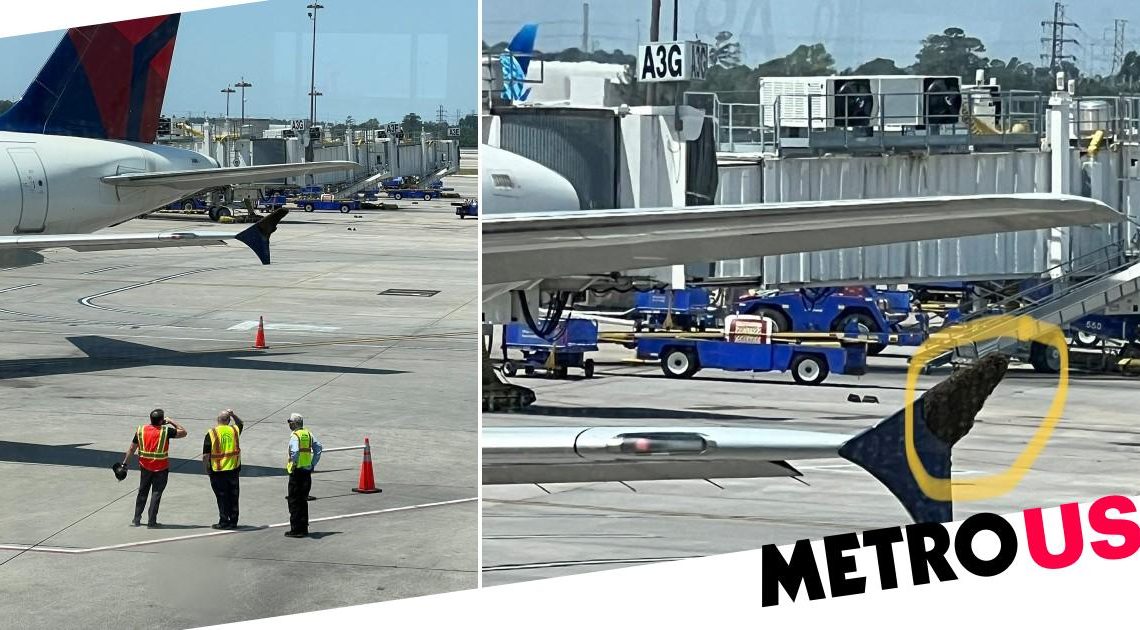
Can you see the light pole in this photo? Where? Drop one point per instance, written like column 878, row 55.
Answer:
column 313, row 94
column 313, row 78
column 243, row 84
column 227, row 91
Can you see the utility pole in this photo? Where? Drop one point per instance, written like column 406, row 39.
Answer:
column 1057, row 39
column 441, row 116
column 585, row 27
column 227, row 91
column 1118, row 45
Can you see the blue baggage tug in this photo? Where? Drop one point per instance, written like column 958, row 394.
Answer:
column 810, row 364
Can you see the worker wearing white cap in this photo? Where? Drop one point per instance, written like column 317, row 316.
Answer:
column 304, row 453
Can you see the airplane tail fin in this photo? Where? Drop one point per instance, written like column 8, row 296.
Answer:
column 104, row 81
column 942, row 416
column 257, row 235
column 522, row 45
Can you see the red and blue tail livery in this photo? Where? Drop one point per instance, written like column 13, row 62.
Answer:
column 105, row 81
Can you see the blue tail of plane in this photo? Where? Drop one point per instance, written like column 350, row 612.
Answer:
column 942, row 416
column 516, row 61
column 104, row 81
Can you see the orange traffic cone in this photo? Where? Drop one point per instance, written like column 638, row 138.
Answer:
column 367, row 484
column 259, row 342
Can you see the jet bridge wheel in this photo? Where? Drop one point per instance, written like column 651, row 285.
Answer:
column 809, row 369
column 679, row 363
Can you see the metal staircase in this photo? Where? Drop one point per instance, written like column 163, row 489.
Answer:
column 364, row 182
column 1077, row 292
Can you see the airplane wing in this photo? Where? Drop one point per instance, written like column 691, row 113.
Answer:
column 256, row 237
column 528, row 246
column 597, row 454
column 195, row 180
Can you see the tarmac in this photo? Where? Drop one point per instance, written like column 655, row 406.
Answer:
column 560, row 529
column 91, row 342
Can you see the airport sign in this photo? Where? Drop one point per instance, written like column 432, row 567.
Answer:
column 661, row 62
column 453, row 132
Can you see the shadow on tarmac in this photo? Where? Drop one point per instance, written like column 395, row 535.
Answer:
column 75, row 455
column 644, row 412
column 112, row 354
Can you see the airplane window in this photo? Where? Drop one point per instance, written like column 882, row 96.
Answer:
column 501, row 180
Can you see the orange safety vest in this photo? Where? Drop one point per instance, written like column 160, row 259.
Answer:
column 154, row 447
column 225, row 453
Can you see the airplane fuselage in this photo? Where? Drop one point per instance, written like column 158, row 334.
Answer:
column 53, row 184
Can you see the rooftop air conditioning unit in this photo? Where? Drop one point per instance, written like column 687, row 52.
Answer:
column 893, row 101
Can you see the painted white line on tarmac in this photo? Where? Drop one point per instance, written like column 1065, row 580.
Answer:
column 224, row 532
column 252, row 325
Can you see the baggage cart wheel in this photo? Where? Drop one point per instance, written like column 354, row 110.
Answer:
column 427, row 196
column 588, row 368
column 397, row 196
column 809, row 369
column 1045, row 359
column 866, row 324
column 510, row 369
column 528, row 370
column 187, row 205
column 560, row 371
column 1085, row 340
column 678, row 363
column 344, row 208
column 779, row 320
column 308, row 207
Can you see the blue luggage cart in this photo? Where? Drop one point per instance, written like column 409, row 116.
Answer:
column 569, row 345
column 689, row 309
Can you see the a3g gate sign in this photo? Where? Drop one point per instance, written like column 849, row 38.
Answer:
column 672, row 61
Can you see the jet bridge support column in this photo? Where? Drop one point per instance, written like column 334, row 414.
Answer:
column 1060, row 159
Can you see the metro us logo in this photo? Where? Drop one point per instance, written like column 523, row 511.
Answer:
column 932, row 550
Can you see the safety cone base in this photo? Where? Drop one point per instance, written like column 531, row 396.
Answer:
column 367, row 490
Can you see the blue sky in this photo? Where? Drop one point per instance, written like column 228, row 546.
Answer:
column 377, row 59
column 853, row 30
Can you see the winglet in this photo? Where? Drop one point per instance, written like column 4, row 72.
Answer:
column 942, row 416
column 257, row 235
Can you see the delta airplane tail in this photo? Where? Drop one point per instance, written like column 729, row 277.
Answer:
column 105, row 81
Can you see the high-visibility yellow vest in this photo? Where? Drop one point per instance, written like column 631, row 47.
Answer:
column 304, row 451
column 224, row 451
column 154, row 447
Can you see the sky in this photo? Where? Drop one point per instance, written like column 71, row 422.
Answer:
column 854, row 31
column 379, row 59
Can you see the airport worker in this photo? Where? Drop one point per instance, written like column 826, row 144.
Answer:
column 221, row 455
column 304, row 453
column 152, row 441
